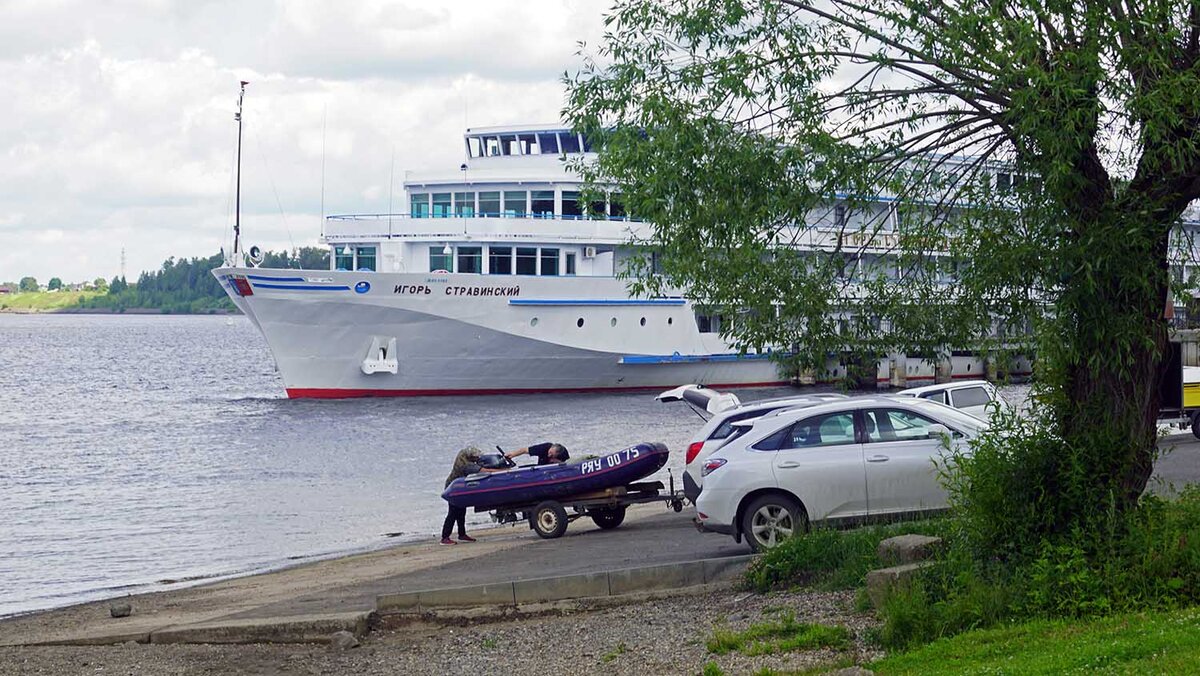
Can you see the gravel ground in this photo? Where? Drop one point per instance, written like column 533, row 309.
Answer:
column 663, row 636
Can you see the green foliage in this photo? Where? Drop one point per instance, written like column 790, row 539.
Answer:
column 712, row 669
column 1137, row 643
column 617, row 651
column 28, row 284
column 777, row 636
column 826, row 558
column 54, row 284
column 1152, row 562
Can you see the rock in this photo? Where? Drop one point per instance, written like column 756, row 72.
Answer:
column 342, row 640
column 908, row 549
column 884, row 581
column 120, row 610
column 851, row 671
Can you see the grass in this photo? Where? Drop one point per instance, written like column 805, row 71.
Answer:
column 1138, row 643
column 778, row 636
column 44, row 301
column 617, row 651
column 828, row 559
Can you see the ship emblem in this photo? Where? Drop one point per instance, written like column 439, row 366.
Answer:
column 362, row 287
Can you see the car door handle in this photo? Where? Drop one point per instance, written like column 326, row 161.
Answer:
column 877, row 458
column 788, row 465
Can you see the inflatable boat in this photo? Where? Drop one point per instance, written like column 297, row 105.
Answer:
column 556, row 481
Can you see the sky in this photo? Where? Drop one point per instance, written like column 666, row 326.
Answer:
column 118, row 126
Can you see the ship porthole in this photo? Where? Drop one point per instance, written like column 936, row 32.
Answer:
column 579, row 323
column 643, row 321
column 533, row 322
column 670, row 320
column 613, row 322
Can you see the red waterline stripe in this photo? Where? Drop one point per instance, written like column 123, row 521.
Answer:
column 347, row 393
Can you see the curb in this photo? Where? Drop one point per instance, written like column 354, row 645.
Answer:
column 314, row 628
column 566, row 587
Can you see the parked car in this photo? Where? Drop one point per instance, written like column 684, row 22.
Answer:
column 976, row 397
column 720, row 411
column 835, row 462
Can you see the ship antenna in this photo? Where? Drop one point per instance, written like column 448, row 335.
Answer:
column 237, row 209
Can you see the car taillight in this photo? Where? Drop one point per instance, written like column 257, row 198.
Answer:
column 712, row 465
column 692, row 451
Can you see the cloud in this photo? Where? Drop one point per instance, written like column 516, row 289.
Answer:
column 119, row 129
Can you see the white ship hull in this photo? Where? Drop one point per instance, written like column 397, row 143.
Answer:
column 478, row 334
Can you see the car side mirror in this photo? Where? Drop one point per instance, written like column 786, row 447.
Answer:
column 939, row 432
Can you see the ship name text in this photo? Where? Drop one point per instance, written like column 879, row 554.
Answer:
column 424, row 290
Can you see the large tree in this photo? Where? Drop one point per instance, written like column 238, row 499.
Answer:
column 1035, row 159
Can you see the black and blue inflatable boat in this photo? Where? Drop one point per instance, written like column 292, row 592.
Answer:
column 557, row 481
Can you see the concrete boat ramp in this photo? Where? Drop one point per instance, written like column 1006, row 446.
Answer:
column 509, row 570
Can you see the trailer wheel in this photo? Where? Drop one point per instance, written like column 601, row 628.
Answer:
column 609, row 517
column 1196, row 424
column 549, row 520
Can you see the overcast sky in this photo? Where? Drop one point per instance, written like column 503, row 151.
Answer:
column 118, row 127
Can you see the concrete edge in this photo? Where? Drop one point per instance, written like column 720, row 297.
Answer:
column 566, row 587
column 315, row 628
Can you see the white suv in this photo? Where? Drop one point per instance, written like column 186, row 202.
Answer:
column 722, row 410
column 855, row 460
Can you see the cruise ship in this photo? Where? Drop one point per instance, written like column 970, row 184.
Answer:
column 497, row 280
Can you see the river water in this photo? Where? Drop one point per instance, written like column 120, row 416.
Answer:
column 144, row 452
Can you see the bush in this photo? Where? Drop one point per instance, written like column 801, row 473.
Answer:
column 827, row 558
column 1151, row 561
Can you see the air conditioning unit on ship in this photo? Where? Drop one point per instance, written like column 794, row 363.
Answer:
column 589, row 252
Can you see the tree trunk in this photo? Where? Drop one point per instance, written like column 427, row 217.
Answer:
column 1111, row 363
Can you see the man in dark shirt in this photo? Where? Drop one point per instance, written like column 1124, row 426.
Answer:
column 545, row 452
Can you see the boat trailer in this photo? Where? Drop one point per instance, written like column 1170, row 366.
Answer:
column 606, row 507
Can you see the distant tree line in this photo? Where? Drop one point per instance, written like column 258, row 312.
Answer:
column 187, row 286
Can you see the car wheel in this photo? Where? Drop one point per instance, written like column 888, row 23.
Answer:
column 549, row 520
column 771, row 519
column 608, row 518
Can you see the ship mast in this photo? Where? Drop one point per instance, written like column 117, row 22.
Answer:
column 237, row 209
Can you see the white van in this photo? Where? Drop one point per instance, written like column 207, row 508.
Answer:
column 970, row 396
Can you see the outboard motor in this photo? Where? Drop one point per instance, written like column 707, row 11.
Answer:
column 494, row 461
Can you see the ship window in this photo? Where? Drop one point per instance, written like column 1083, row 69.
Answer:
column 419, row 205
column 569, row 142
column 616, row 208
column 579, row 322
column 366, row 258
column 464, row 204
column 528, row 143
column 542, row 204
column 441, row 204
column 570, row 267
column 491, row 144
column 508, row 145
column 596, row 209
column 527, row 260
column 587, row 143
column 514, row 203
column 612, row 322
column 642, row 321
column 470, row 259
column 839, row 215
column 500, row 260
column 439, row 260
column 489, row 203
column 570, row 204
column 474, row 147
column 549, row 261
column 343, row 258
column 548, row 143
